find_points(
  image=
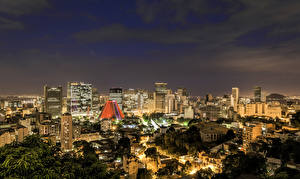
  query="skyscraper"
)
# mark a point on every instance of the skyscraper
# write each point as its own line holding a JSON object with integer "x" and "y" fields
{"x": 116, "y": 94}
{"x": 160, "y": 96}
{"x": 209, "y": 98}
{"x": 66, "y": 132}
{"x": 257, "y": 94}
{"x": 95, "y": 101}
{"x": 235, "y": 98}
{"x": 53, "y": 100}
{"x": 170, "y": 103}
{"x": 80, "y": 99}
{"x": 182, "y": 92}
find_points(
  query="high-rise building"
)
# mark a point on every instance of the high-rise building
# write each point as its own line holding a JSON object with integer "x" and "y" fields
{"x": 80, "y": 99}
{"x": 116, "y": 94}
{"x": 250, "y": 133}
{"x": 142, "y": 99}
{"x": 130, "y": 101}
{"x": 66, "y": 137}
{"x": 209, "y": 98}
{"x": 182, "y": 92}
{"x": 235, "y": 98}
{"x": 170, "y": 103}
{"x": 53, "y": 100}
{"x": 257, "y": 94}
{"x": 160, "y": 96}
{"x": 95, "y": 101}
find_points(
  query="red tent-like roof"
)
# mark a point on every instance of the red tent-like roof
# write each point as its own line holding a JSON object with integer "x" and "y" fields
{"x": 111, "y": 110}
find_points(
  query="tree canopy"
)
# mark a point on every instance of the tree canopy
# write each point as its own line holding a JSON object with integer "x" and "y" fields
{"x": 37, "y": 158}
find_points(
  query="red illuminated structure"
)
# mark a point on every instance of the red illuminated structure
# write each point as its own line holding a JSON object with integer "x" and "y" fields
{"x": 111, "y": 110}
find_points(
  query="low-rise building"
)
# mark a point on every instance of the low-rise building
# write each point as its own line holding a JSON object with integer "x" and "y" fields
{"x": 211, "y": 132}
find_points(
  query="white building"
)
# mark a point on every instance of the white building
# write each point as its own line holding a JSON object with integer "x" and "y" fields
{"x": 116, "y": 94}
{"x": 189, "y": 113}
{"x": 80, "y": 99}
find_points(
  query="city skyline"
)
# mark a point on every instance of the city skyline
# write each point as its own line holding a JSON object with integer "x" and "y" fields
{"x": 205, "y": 46}
{"x": 150, "y": 89}
{"x": 243, "y": 91}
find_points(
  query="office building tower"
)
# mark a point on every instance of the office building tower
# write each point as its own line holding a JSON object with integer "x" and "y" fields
{"x": 170, "y": 103}
{"x": 116, "y": 94}
{"x": 66, "y": 132}
{"x": 235, "y": 98}
{"x": 257, "y": 94}
{"x": 160, "y": 96}
{"x": 182, "y": 92}
{"x": 53, "y": 100}
{"x": 209, "y": 98}
{"x": 95, "y": 101}
{"x": 80, "y": 99}
{"x": 142, "y": 100}
{"x": 130, "y": 101}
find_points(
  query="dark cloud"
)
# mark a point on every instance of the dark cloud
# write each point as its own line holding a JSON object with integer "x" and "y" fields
{"x": 8, "y": 24}
{"x": 11, "y": 9}
{"x": 21, "y": 7}
{"x": 189, "y": 43}
{"x": 268, "y": 60}
{"x": 221, "y": 51}
{"x": 179, "y": 10}
{"x": 282, "y": 16}
{"x": 118, "y": 32}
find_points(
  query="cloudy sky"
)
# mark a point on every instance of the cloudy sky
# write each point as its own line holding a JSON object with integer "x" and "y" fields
{"x": 207, "y": 46}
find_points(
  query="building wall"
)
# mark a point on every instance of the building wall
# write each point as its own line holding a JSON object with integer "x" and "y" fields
{"x": 116, "y": 94}
{"x": 21, "y": 134}
{"x": 6, "y": 138}
{"x": 260, "y": 109}
{"x": 80, "y": 99}
{"x": 53, "y": 100}
{"x": 66, "y": 132}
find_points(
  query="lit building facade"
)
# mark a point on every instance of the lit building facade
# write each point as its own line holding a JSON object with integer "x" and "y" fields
{"x": 160, "y": 97}
{"x": 171, "y": 103}
{"x": 80, "y": 99}
{"x": 250, "y": 133}
{"x": 116, "y": 94}
{"x": 212, "y": 132}
{"x": 53, "y": 100}
{"x": 130, "y": 101}
{"x": 189, "y": 113}
{"x": 66, "y": 132}
{"x": 260, "y": 109}
{"x": 257, "y": 94}
{"x": 235, "y": 98}
{"x": 95, "y": 101}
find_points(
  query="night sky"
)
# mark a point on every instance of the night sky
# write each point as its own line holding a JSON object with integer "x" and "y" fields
{"x": 203, "y": 45}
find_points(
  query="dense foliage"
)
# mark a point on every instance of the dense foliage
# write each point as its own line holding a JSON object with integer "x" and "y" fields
{"x": 240, "y": 164}
{"x": 285, "y": 151}
{"x": 36, "y": 158}
{"x": 286, "y": 173}
{"x": 188, "y": 142}
{"x": 296, "y": 119}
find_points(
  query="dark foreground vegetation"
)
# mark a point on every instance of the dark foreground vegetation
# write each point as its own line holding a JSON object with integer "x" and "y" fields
{"x": 37, "y": 158}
